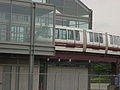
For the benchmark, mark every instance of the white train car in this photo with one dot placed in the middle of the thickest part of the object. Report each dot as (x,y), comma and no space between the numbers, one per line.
(68,39)
(74,39)
(113,44)
(96,42)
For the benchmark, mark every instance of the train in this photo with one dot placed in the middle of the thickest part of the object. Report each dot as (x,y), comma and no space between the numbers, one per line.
(79,40)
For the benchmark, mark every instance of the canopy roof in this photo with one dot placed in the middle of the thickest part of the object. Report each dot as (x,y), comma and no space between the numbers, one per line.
(72,7)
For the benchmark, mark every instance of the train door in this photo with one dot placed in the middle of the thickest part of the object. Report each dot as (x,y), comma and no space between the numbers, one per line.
(90,38)
(78,38)
(70,38)
(111,41)
(96,39)
(102,40)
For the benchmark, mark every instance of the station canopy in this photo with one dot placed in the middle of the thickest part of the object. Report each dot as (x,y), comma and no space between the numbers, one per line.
(71,7)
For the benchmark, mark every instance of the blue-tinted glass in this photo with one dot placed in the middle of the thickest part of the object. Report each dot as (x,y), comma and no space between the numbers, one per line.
(77,35)
(43,26)
(91,36)
(70,35)
(62,34)
(101,37)
(56,33)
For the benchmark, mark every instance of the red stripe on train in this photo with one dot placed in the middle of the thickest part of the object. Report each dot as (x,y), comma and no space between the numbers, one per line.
(69,44)
(96,47)
(113,49)
(88,46)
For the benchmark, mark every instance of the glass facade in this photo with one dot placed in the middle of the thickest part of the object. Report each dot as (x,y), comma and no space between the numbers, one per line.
(20,23)
(72,13)
(15,23)
(44,25)
(72,24)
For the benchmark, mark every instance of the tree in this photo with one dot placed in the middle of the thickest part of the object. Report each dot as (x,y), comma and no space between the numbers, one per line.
(101,69)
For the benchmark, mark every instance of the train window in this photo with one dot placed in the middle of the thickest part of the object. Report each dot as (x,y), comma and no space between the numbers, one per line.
(3,29)
(111,39)
(70,35)
(101,37)
(117,40)
(96,37)
(2,15)
(91,36)
(56,33)
(114,40)
(77,35)
(62,34)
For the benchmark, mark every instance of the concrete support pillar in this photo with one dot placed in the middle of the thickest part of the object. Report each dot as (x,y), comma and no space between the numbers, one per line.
(89,76)
(114,68)
(43,75)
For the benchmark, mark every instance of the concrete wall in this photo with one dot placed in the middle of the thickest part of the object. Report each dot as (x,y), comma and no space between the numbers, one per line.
(67,78)
(17,78)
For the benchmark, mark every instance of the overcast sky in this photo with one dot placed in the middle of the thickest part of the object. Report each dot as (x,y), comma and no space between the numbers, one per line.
(106,15)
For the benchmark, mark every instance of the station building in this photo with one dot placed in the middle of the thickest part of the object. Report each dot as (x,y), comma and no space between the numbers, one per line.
(27,34)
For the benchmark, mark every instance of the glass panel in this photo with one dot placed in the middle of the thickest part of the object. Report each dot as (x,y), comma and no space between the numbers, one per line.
(19,33)
(71,10)
(119,40)
(59,22)
(72,24)
(20,18)
(96,37)
(43,34)
(111,39)
(91,36)
(20,27)
(77,35)
(42,1)
(4,21)
(3,32)
(2,16)
(83,25)
(56,33)
(62,34)
(115,40)
(44,26)
(70,35)
(101,37)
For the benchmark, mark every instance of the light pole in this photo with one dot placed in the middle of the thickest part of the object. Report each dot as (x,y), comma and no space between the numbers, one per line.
(31,65)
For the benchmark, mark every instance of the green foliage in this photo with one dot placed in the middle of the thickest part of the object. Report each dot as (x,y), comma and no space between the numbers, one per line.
(100,80)
(101,69)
